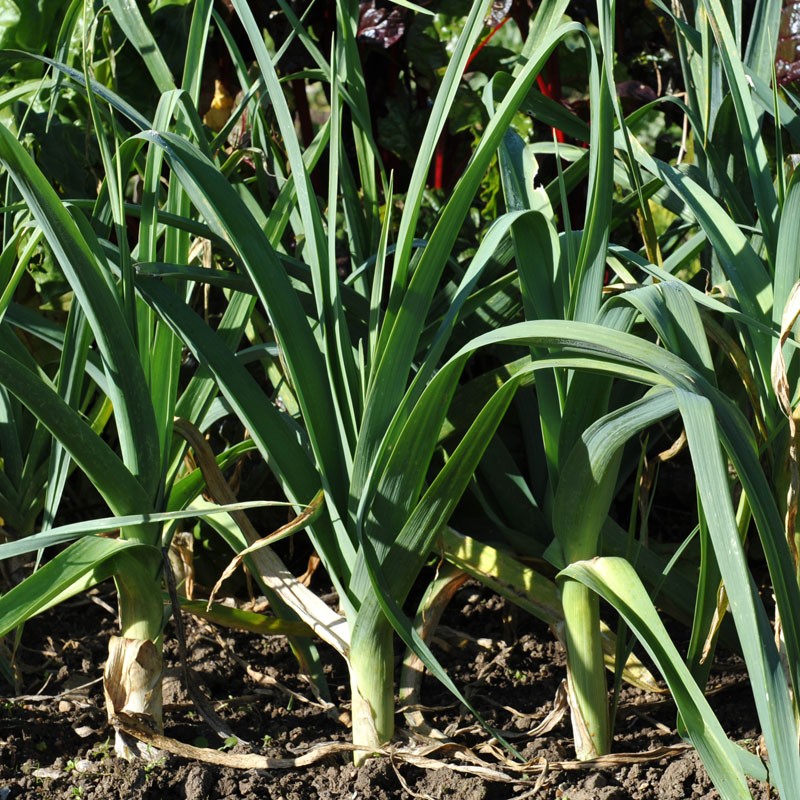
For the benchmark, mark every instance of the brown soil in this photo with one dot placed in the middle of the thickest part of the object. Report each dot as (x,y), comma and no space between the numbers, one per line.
(55,743)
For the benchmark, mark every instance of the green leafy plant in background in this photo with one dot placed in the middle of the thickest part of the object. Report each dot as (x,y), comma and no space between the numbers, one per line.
(29,27)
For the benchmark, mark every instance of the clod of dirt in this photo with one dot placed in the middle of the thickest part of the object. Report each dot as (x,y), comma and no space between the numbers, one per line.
(374,779)
(446,783)
(685,778)
(198,783)
(595,787)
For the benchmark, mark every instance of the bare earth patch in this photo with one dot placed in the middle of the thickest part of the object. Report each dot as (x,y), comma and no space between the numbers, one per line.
(54,740)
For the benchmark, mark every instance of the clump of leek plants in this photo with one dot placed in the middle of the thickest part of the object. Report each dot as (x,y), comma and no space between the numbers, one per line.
(739,214)
(366,373)
(355,364)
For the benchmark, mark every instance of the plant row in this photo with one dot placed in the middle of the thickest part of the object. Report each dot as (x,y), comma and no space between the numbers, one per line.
(402,336)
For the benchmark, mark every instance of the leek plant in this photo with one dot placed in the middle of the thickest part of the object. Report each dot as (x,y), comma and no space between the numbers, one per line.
(561,278)
(114,345)
(368,396)
(128,483)
(752,258)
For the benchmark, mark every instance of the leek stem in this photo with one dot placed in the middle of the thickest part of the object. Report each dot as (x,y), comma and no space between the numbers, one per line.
(585,671)
(372,686)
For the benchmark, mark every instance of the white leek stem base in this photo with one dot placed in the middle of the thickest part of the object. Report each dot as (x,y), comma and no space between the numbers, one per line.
(132,686)
(586,678)
(372,696)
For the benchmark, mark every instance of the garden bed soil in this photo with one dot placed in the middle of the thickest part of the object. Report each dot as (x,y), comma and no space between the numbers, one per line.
(55,743)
